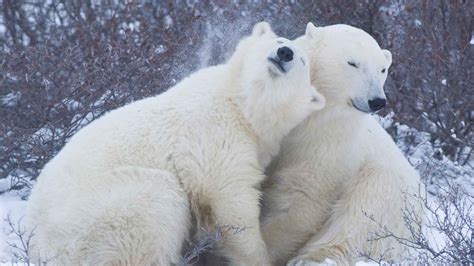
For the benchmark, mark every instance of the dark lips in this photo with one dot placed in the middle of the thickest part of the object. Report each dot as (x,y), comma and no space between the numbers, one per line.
(355,106)
(277,63)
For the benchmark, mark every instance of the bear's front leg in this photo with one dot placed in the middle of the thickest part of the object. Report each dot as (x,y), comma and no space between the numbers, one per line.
(372,201)
(237,206)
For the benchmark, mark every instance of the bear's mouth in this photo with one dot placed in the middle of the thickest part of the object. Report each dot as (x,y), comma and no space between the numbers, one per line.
(357,107)
(277,63)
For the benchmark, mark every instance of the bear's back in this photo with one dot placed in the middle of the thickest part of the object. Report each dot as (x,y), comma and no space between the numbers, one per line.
(139,133)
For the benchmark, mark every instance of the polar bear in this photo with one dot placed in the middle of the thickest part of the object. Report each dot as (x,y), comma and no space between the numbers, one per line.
(123,189)
(339,167)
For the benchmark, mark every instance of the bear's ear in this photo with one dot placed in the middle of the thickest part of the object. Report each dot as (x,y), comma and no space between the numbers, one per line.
(388,56)
(262,28)
(312,32)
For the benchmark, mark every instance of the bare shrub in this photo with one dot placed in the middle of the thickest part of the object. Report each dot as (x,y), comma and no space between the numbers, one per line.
(75,71)
(21,246)
(447,234)
(432,79)
(65,63)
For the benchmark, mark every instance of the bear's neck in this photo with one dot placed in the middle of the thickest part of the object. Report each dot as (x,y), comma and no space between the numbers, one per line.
(269,121)
(337,113)
(267,146)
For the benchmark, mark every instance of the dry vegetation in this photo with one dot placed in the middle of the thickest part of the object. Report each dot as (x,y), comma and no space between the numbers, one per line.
(64,63)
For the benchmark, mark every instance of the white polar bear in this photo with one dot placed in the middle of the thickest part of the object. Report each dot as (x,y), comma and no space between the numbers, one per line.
(339,166)
(123,190)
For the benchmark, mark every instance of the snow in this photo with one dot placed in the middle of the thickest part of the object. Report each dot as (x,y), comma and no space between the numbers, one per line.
(14,207)
(160,49)
(168,21)
(421,151)
(418,23)
(71,104)
(393,10)
(472,40)
(10,99)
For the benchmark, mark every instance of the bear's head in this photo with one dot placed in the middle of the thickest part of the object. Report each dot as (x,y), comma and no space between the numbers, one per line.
(273,78)
(347,65)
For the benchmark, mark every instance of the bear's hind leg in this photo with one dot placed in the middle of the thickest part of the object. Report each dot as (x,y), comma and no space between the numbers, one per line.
(143,219)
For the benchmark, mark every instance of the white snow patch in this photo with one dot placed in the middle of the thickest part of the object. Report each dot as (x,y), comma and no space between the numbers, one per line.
(393,10)
(134,26)
(11,206)
(11,99)
(160,49)
(46,134)
(12,77)
(168,21)
(421,154)
(418,23)
(72,104)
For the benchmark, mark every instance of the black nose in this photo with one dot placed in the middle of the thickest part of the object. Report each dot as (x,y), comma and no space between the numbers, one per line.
(285,54)
(377,104)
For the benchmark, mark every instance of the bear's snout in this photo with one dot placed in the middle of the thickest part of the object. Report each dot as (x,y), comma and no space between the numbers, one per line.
(377,104)
(285,54)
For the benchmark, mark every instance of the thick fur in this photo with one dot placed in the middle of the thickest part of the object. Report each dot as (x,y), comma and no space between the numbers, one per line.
(339,167)
(123,190)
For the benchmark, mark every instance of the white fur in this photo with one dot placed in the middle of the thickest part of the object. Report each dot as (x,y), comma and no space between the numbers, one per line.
(123,190)
(339,166)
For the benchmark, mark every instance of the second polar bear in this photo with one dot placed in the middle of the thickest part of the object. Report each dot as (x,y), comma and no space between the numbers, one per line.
(123,190)
(340,167)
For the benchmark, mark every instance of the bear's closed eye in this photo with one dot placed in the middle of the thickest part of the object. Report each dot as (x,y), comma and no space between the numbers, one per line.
(351,63)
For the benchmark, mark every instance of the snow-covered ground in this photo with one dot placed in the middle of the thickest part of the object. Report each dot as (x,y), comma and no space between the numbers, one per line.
(419,153)
(12,207)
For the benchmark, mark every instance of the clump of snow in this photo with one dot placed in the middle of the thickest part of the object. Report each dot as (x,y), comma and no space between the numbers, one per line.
(11,99)
(168,21)
(71,104)
(393,10)
(5,184)
(418,23)
(160,49)
(427,157)
(46,134)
